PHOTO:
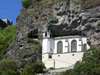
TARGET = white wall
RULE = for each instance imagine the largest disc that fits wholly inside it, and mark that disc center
(68, 49)
(62, 60)
(45, 45)
(66, 59)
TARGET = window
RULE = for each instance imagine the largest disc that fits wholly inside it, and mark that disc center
(60, 47)
(73, 46)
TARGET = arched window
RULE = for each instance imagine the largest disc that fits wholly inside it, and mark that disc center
(60, 47)
(73, 46)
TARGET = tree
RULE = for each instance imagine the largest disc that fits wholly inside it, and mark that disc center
(8, 67)
(7, 36)
(90, 64)
(26, 3)
(33, 68)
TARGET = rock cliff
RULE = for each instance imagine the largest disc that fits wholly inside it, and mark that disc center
(40, 13)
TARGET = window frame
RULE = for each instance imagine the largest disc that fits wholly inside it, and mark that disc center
(59, 50)
(74, 46)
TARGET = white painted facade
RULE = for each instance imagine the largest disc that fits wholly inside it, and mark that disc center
(67, 58)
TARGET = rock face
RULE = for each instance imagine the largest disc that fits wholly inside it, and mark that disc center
(27, 48)
(41, 13)
(90, 3)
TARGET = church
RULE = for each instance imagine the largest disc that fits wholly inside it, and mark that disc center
(62, 44)
(63, 51)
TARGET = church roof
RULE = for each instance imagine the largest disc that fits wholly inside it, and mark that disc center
(66, 37)
(63, 30)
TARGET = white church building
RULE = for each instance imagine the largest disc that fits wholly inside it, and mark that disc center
(63, 51)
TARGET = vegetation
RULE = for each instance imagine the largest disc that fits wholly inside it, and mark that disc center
(33, 68)
(7, 35)
(90, 64)
(8, 67)
(43, 3)
(26, 3)
(46, 3)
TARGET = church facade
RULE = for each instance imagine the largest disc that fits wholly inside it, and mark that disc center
(62, 52)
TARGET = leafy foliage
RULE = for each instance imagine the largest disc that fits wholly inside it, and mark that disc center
(26, 3)
(90, 64)
(68, 72)
(42, 3)
(7, 35)
(8, 67)
(33, 68)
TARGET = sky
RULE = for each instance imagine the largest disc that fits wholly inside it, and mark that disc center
(10, 9)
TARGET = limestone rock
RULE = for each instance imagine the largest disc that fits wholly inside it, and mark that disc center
(37, 16)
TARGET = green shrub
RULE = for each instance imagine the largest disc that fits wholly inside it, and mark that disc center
(68, 72)
(8, 67)
(33, 69)
(90, 64)
(26, 3)
(7, 36)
